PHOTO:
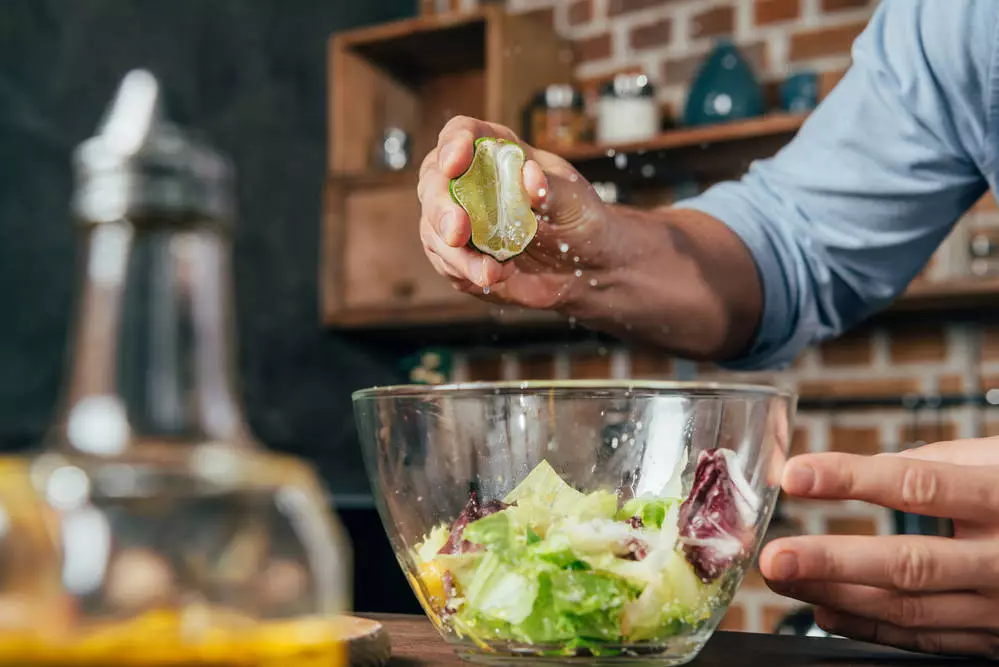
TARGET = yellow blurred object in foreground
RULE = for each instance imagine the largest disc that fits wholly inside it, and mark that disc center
(167, 638)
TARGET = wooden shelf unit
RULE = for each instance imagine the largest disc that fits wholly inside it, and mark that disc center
(414, 74)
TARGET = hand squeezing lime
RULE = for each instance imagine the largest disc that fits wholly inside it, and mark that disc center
(492, 193)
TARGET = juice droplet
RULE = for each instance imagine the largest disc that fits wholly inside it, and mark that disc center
(576, 259)
(579, 273)
(563, 247)
(542, 193)
(611, 152)
(593, 282)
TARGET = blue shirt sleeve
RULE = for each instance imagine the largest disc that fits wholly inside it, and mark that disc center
(844, 217)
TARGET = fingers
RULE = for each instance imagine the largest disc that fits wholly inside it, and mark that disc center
(943, 611)
(463, 264)
(975, 452)
(915, 563)
(908, 484)
(955, 643)
(441, 214)
(536, 185)
(456, 142)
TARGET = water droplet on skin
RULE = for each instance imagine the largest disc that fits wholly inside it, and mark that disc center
(594, 468)
(544, 206)
(485, 290)
(542, 193)
(614, 443)
(621, 161)
(579, 273)
(564, 247)
(638, 426)
(593, 282)
(611, 152)
(573, 178)
(576, 259)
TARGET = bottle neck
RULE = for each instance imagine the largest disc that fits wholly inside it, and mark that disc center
(153, 355)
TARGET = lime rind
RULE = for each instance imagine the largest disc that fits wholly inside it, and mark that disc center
(492, 193)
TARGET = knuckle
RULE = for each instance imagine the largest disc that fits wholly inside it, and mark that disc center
(990, 650)
(454, 123)
(906, 612)
(845, 479)
(912, 568)
(919, 486)
(930, 642)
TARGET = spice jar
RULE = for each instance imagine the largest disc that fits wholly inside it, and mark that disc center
(627, 111)
(556, 118)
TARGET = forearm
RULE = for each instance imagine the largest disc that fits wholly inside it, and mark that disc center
(677, 279)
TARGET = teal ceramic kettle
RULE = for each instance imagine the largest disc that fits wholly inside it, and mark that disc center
(724, 89)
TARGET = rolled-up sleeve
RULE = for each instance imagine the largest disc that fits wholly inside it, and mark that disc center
(844, 217)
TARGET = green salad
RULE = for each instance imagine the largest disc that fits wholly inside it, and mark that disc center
(548, 564)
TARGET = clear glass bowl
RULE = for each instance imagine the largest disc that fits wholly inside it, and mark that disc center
(567, 522)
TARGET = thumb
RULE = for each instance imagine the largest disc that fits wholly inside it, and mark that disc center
(558, 193)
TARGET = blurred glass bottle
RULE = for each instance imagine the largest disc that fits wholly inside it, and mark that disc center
(183, 540)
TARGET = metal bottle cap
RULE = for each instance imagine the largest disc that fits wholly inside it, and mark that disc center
(141, 167)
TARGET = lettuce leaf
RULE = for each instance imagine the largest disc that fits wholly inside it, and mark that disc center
(546, 489)
(425, 551)
(652, 511)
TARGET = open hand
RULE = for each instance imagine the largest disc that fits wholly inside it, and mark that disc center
(571, 232)
(923, 593)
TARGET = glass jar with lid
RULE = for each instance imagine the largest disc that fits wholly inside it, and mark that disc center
(627, 110)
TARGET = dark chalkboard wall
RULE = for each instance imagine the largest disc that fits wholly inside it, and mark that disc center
(250, 74)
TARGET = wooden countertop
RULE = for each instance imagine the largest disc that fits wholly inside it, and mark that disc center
(416, 644)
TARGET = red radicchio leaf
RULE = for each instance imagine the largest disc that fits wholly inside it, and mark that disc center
(636, 549)
(473, 511)
(711, 525)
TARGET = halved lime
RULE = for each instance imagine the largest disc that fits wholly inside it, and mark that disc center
(492, 192)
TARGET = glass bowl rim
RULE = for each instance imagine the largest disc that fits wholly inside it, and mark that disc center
(665, 387)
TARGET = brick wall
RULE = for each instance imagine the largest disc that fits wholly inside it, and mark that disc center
(666, 39)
